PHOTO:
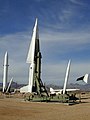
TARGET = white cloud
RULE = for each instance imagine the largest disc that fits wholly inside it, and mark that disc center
(77, 2)
(66, 15)
(66, 40)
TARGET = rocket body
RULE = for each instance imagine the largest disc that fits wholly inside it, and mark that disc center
(66, 76)
(5, 72)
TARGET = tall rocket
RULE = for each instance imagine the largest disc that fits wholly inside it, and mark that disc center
(34, 59)
(5, 72)
(33, 52)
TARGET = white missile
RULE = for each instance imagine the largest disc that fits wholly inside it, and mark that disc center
(34, 59)
(31, 55)
(30, 59)
(66, 77)
(9, 85)
(5, 72)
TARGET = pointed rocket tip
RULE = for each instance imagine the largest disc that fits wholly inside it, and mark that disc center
(6, 52)
(35, 25)
(69, 60)
(36, 19)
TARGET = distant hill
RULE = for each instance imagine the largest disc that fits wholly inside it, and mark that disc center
(14, 85)
(85, 87)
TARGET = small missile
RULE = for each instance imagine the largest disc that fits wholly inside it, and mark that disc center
(9, 85)
(5, 72)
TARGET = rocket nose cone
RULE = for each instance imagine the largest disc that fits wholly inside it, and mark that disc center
(36, 20)
(6, 58)
(6, 53)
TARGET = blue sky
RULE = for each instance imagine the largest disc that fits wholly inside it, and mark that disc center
(64, 28)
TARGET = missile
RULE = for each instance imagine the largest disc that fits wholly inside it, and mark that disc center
(66, 76)
(5, 72)
(8, 88)
(31, 58)
(34, 59)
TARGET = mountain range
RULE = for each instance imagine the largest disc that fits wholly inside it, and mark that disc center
(85, 87)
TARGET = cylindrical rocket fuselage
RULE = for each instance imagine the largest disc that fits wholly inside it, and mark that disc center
(5, 72)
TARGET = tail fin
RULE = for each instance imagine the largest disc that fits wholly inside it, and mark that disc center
(85, 78)
(66, 76)
(51, 89)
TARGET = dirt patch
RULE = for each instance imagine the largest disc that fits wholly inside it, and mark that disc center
(17, 109)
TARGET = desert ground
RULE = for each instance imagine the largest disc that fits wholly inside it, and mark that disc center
(18, 109)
